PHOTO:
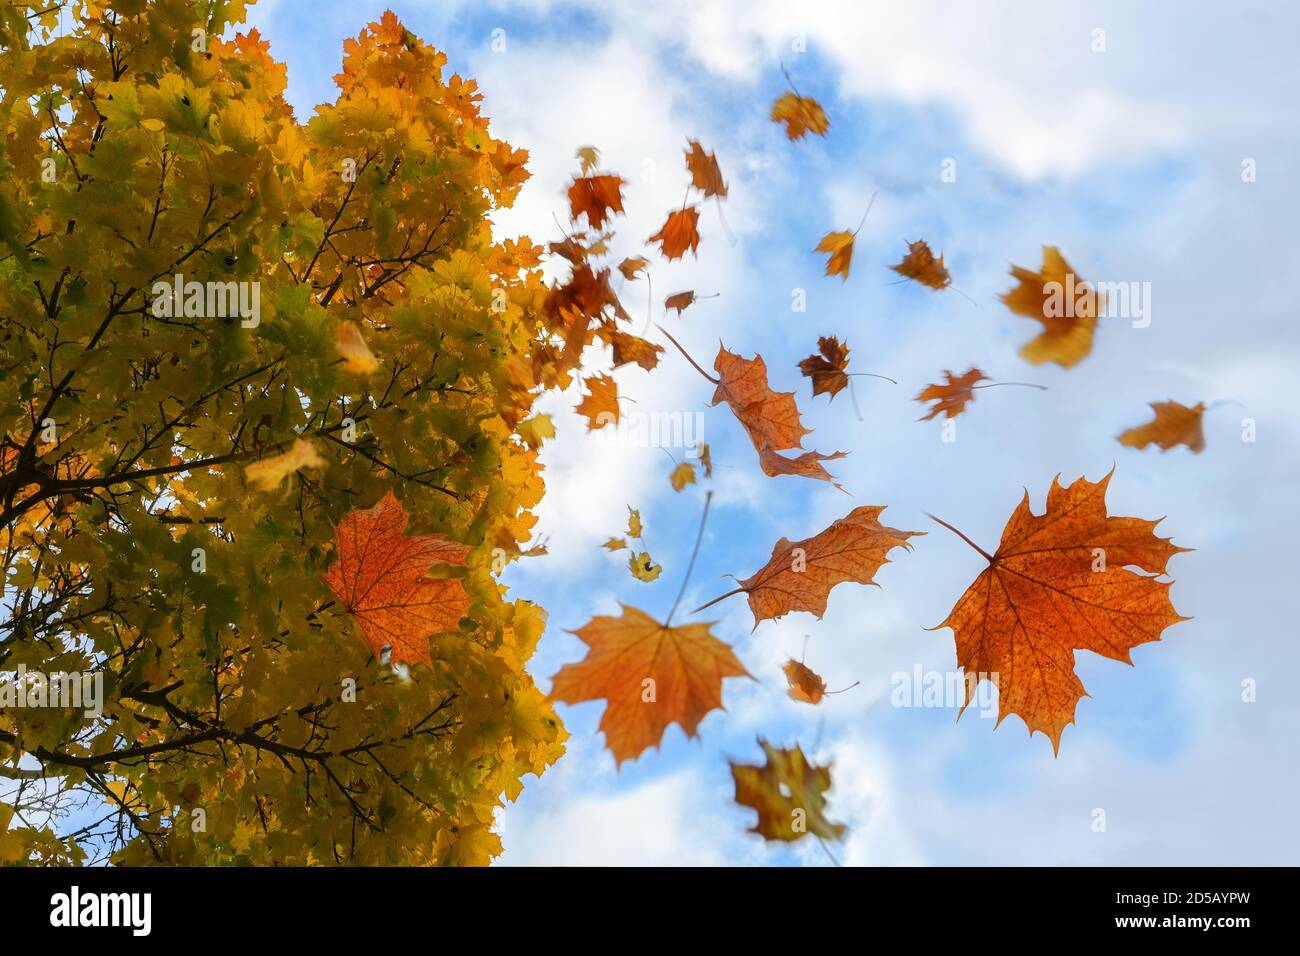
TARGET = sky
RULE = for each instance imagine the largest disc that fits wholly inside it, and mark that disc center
(1150, 143)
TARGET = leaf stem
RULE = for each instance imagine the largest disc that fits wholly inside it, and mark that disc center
(1041, 388)
(987, 556)
(870, 203)
(872, 375)
(687, 355)
(717, 599)
(699, 536)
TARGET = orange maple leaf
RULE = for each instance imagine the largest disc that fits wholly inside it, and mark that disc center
(921, 265)
(952, 397)
(806, 685)
(632, 267)
(706, 175)
(650, 675)
(770, 419)
(1060, 582)
(596, 197)
(680, 301)
(1065, 304)
(800, 114)
(800, 574)
(1174, 424)
(601, 404)
(788, 793)
(379, 578)
(632, 348)
(679, 233)
(839, 246)
(827, 370)
(807, 465)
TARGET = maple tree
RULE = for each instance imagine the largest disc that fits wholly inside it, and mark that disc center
(1060, 582)
(172, 479)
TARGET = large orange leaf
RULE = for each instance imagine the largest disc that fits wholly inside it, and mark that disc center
(1060, 582)
(1064, 303)
(800, 574)
(1174, 424)
(650, 676)
(789, 793)
(379, 578)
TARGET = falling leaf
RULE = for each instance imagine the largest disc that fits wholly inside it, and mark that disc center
(706, 460)
(615, 544)
(634, 527)
(680, 301)
(921, 265)
(1060, 582)
(266, 475)
(839, 246)
(379, 577)
(807, 465)
(650, 676)
(789, 794)
(800, 574)
(827, 370)
(950, 398)
(643, 567)
(706, 176)
(600, 405)
(596, 197)
(1174, 424)
(350, 344)
(682, 475)
(633, 348)
(805, 684)
(1066, 305)
(679, 233)
(800, 114)
(535, 430)
(632, 267)
(589, 156)
(770, 418)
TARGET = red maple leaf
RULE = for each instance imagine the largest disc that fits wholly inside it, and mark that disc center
(380, 578)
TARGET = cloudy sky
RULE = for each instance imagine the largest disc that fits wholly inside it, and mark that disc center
(1118, 132)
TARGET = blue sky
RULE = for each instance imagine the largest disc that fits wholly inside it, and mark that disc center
(1130, 160)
